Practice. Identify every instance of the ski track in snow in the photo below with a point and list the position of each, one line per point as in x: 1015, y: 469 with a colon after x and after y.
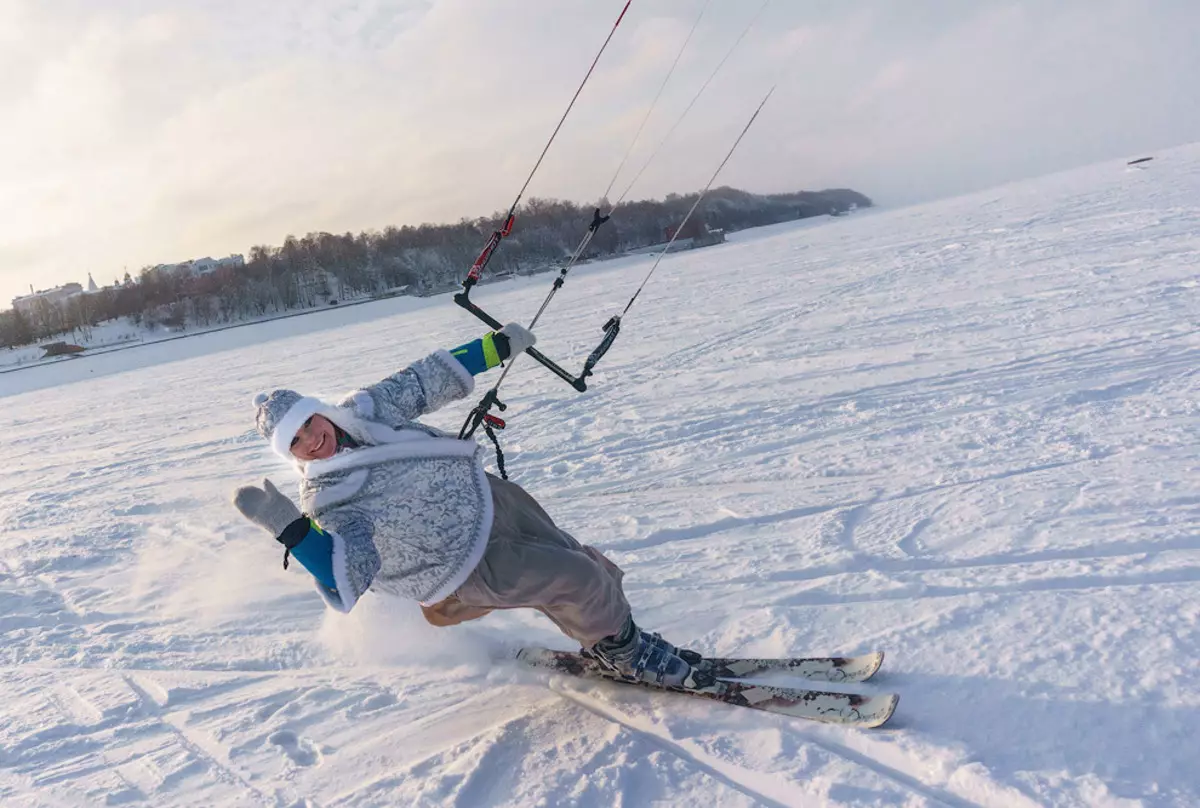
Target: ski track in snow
x: 964, y: 433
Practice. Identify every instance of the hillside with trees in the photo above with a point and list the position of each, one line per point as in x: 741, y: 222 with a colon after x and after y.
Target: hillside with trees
x: 321, y: 268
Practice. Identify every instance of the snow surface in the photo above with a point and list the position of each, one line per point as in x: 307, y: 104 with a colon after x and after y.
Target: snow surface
x: 965, y: 433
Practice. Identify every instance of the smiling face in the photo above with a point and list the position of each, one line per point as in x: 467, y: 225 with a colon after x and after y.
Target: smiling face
x: 316, y: 440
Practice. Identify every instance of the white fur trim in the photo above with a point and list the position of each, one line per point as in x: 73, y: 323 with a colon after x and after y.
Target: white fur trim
x: 331, y: 600
x: 290, y: 424
x: 364, y: 405
x: 478, y: 545
x: 345, y: 599
x: 405, y: 447
x: 456, y: 368
x: 336, y: 494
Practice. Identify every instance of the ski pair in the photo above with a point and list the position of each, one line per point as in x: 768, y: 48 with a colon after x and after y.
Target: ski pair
x: 850, y: 709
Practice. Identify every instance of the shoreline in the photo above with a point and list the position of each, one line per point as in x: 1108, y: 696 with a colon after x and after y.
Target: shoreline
x: 105, y: 350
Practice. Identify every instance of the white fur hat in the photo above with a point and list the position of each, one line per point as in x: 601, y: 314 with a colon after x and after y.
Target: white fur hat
x: 280, y: 415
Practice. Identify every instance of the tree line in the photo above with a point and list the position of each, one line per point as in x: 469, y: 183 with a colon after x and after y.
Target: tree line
x: 322, y: 268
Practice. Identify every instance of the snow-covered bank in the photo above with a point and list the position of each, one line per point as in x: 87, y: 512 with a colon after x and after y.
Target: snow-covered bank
x: 122, y: 335
x: 965, y: 433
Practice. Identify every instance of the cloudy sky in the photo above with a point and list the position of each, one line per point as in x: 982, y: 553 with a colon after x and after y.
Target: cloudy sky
x: 135, y: 132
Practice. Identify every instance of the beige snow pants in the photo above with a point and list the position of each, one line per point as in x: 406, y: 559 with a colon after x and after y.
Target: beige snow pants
x: 531, y: 563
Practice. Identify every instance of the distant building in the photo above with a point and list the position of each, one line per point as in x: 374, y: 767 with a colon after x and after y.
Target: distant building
x: 695, y: 234
x: 61, y: 349
x: 196, y: 267
x: 27, y: 304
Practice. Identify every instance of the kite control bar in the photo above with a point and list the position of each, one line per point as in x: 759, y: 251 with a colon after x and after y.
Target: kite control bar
x: 579, y: 382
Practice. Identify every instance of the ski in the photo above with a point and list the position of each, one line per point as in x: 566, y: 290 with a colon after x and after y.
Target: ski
x: 848, y: 709
x: 817, y: 669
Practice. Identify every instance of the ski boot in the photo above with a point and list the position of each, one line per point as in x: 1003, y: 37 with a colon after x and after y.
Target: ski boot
x: 690, y: 657
x: 638, y: 656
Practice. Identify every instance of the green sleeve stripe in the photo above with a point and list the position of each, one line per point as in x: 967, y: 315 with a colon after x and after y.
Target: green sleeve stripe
x: 490, y: 355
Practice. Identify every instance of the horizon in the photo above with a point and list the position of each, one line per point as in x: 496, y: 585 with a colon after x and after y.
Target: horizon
x: 142, y: 138
x: 495, y: 217
x: 499, y: 213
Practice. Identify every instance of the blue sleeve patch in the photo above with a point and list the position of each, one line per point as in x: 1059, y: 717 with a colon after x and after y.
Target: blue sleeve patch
x: 315, y: 552
x: 473, y: 356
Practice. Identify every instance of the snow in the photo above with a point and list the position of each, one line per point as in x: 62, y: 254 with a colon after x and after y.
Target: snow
x: 964, y: 433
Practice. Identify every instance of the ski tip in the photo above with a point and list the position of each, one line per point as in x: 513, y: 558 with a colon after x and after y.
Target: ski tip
x: 859, y: 668
x: 886, y: 708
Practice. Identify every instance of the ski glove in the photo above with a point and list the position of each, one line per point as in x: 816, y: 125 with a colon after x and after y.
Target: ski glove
x: 519, y: 338
x: 266, y: 507
x: 300, y: 536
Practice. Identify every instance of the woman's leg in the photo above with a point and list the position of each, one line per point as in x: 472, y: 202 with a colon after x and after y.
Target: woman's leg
x: 531, y: 563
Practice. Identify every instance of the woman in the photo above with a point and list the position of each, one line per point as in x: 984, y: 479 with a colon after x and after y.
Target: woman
x: 396, y: 507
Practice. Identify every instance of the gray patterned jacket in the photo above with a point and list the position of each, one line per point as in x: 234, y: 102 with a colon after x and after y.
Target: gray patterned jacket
x: 410, y: 509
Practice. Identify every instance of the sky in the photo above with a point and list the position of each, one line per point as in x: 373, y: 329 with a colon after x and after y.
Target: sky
x: 137, y: 132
